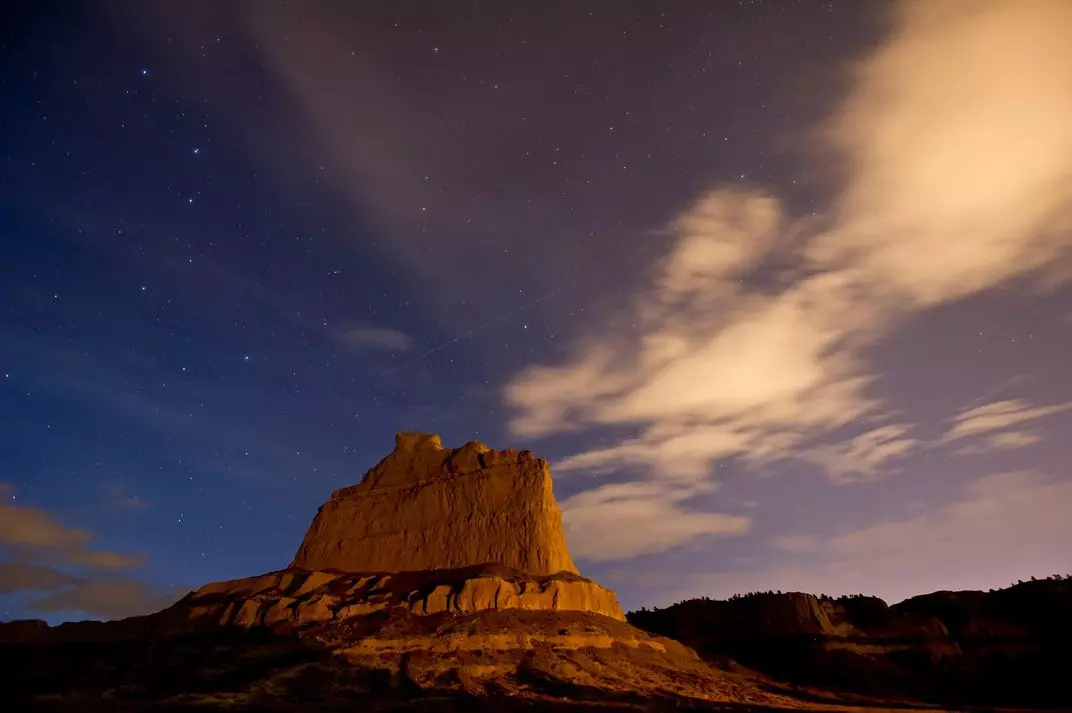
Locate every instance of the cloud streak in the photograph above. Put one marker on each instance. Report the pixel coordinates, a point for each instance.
(363, 338)
(84, 579)
(106, 598)
(995, 419)
(30, 531)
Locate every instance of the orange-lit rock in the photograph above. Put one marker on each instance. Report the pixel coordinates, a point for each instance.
(427, 507)
(294, 596)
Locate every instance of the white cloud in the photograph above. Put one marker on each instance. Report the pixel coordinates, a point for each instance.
(628, 519)
(1002, 528)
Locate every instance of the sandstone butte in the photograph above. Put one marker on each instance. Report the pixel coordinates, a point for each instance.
(428, 507)
(427, 530)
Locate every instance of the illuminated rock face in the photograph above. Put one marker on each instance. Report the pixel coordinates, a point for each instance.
(297, 597)
(426, 507)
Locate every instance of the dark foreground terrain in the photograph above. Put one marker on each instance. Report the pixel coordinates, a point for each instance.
(763, 652)
(1008, 647)
(504, 660)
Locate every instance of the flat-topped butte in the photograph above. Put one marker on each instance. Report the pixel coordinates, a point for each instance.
(426, 507)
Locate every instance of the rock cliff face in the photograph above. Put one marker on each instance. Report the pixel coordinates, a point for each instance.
(428, 507)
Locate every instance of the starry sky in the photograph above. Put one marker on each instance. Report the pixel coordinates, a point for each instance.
(782, 290)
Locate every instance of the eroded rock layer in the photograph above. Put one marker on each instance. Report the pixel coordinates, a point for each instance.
(296, 596)
(426, 507)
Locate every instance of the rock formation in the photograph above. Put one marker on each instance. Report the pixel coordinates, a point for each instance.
(428, 507)
(442, 575)
(428, 530)
(291, 596)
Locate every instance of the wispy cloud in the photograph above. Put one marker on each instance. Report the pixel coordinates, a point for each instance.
(106, 598)
(31, 531)
(56, 565)
(20, 576)
(117, 495)
(995, 419)
(755, 332)
(863, 457)
(622, 520)
(366, 337)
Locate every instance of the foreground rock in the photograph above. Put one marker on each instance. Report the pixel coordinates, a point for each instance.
(1005, 647)
(429, 507)
(510, 659)
(296, 596)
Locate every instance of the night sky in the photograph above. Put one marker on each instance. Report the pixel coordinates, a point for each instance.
(783, 290)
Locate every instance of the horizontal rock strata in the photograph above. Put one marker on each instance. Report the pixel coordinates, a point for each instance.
(296, 596)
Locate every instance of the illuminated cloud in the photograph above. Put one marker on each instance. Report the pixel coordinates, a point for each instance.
(999, 416)
(754, 334)
(25, 530)
(83, 580)
(628, 519)
(958, 150)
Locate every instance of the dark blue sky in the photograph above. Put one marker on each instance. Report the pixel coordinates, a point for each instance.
(737, 269)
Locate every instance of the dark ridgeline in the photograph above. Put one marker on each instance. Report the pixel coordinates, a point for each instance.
(1003, 647)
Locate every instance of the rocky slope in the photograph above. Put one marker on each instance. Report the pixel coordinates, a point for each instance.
(392, 659)
(429, 507)
(1003, 647)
